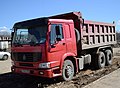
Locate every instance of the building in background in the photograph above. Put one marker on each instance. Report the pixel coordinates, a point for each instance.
(5, 34)
(5, 39)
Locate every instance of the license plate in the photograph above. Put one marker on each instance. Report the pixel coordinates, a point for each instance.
(25, 71)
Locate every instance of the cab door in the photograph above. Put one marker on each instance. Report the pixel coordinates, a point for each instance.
(57, 42)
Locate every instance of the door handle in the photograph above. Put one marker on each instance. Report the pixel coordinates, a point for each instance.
(53, 46)
(63, 43)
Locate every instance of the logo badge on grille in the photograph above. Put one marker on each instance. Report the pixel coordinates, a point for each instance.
(24, 57)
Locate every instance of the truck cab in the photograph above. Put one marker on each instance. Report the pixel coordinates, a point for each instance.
(40, 46)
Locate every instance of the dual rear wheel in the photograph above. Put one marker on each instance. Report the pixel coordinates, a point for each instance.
(102, 59)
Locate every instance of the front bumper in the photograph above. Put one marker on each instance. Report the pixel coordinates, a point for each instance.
(49, 73)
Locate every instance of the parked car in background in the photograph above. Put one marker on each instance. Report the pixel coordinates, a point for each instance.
(4, 55)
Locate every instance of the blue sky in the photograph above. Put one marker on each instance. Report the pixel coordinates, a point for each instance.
(12, 11)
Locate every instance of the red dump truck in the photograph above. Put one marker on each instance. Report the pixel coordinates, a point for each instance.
(61, 45)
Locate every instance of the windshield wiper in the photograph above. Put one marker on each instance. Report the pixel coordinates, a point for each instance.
(34, 43)
(17, 44)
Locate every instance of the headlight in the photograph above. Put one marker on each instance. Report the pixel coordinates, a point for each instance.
(44, 65)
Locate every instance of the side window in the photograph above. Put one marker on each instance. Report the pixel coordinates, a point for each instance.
(53, 33)
(61, 32)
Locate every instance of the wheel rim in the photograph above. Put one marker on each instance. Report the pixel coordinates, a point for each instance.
(109, 57)
(68, 71)
(102, 60)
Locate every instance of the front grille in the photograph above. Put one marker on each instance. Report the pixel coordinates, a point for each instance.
(26, 64)
(27, 56)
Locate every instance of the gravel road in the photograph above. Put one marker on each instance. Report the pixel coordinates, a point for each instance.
(5, 66)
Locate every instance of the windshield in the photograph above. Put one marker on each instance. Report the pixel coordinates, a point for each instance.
(34, 35)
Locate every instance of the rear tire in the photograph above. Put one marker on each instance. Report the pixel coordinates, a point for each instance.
(108, 55)
(100, 60)
(67, 70)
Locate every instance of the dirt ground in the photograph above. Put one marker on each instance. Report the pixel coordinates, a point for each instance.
(86, 76)
(5, 66)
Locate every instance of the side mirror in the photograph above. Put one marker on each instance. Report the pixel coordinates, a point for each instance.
(12, 29)
(57, 30)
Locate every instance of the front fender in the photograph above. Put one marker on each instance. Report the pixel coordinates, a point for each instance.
(64, 57)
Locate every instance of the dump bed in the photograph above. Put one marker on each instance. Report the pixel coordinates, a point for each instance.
(92, 34)
(95, 34)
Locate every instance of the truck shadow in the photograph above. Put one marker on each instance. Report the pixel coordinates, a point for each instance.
(12, 80)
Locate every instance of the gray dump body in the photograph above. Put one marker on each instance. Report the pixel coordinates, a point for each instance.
(96, 34)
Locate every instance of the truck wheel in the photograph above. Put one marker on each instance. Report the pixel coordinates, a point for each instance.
(67, 70)
(100, 60)
(108, 55)
(5, 57)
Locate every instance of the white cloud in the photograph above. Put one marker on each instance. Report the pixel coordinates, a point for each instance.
(118, 22)
(3, 28)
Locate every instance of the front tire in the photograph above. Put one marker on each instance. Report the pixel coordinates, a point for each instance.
(67, 70)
